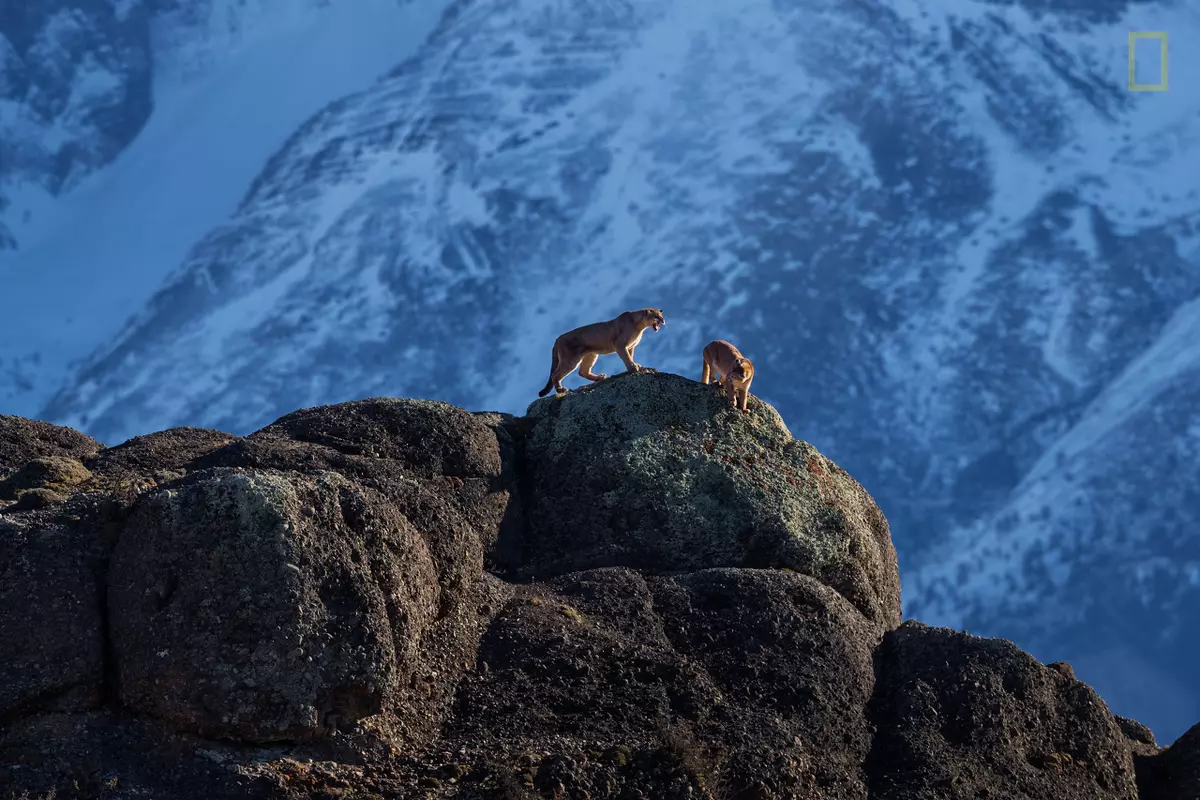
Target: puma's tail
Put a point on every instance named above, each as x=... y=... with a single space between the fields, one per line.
x=553 y=366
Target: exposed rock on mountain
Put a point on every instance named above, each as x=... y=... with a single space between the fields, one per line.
x=380 y=598
x=22 y=441
x=670 y=480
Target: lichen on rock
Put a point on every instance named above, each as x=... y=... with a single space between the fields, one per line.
x=57 y=474
x=655 y=470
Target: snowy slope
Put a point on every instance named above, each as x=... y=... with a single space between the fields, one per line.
x=1111 y=504
x=962 y=252
x=75 y=88
x=225 y=99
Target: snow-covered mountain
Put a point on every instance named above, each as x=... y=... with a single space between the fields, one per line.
x=75 y=89
x=228 y=82
x=962 y=254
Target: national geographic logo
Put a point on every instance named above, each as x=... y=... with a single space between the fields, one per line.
x=1134 y=36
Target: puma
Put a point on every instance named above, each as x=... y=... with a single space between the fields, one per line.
x=581 y=346
x=725 y=364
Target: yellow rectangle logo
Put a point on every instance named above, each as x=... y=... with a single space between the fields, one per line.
x=1134 y=36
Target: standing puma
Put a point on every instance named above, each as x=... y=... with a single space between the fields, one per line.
x=582 y=346
x=732 y=370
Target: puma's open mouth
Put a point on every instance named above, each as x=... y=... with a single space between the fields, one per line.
x=657 y=325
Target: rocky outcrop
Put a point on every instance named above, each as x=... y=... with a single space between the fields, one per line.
x=51 y=615
x=630 y=592
x=658 y=472
x=1175 y=773
x=264 y=606
x=960 y=716
x=25 y=440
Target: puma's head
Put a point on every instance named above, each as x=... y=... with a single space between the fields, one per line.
x=742 y=369
x=654 y=317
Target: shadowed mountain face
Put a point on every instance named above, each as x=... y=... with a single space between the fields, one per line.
x=961 y=254
x=631 y=591
x=74 y=91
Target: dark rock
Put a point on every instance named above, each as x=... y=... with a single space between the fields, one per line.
x=1174 y=773
x=51 y=616
x=655 y=471
x=305 y=612
x=729 y=670
x=428 y=437
x=114 y=755
x=260 y=606
x=169 y=452
x=958 y=716
x=1062 y=668
x=442 y=467
x=22 y=440
x=1139 y=738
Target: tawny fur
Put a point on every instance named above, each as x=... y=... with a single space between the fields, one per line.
x=583 y=345
x=725 y=364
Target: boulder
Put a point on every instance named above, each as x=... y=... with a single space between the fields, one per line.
x=429 y=438
x=377 y=443
x=56 y=475
x=1173 y=773
x=51 y=615
x=265 y=606
x=163 y=454
x=958 y=716
x=448 y=451
x=22 y=440
x=733 y=681
x=111 y=755
x=1139 y=738
x=656 y=471
x=685 y=602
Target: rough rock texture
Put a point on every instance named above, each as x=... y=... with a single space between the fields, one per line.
x=399 y=598
x=743 y=680
x=23 y=440
x=1175 y=773
x=56 y=474
x=655 y=470
x=959 y=716
x=51 y=615
x=165 y=454
x=267 y=607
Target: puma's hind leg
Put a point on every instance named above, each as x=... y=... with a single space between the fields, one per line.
x=565 y=367
x=585 y=368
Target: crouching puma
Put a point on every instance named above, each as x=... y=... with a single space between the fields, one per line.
x=725 y=364
x=581 y=346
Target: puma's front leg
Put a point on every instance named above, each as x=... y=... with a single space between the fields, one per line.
x=626 y=354
x=745 y=397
